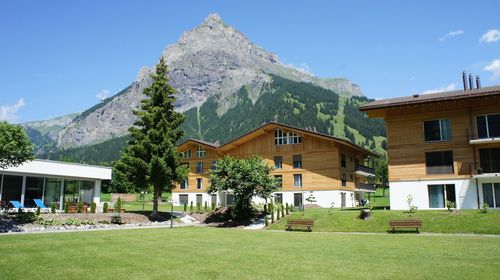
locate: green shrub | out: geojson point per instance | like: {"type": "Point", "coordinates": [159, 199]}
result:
{"type": "Point", "coordinates": [271, 208]}
{"type": "Point", "coordinates": [191, 207]}
{"type": "Point", "coordinates": [484, 208]}
{"type": "Point", "coordinates": [118, 204]}
{"type": "Point", "coordinates": [105, 207]}
{"type": "Point", "coordinates": [287, 209]}
{"type": "Point", "coordinates": [206, 206]}
{"type": "Point", "coordinates": [198, 206]}
{"type": "Point", "coordinates": [37, 212]}
{"type": "Point", "coordinates": [79, 207]}
{"type": "Point", "coordinates": [278, 215]}
{"type": "Point", "coordinates": [28, 217]}
{"type": "Point", "coordinates": [93, 206]}
{"type": "Point", "coordinates": [117, 219]}
{"type": "Point", "coordinates": [266, 219]}
{"type": "Point", "coordinates": [66, 207]}
{"type": "Point", "coordinates": [213, 206]}
{"type": "Point", "coordinates": [53, 207]}
{"type": "Point", "coordinates": [185, 207]}
{"type": "Point", "coordinates": [450, 205]}
{"type": "Point", "coordinates": [282, 211]}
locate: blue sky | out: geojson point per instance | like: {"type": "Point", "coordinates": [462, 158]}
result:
{"type": "Point", "coordinates": [56, 56]}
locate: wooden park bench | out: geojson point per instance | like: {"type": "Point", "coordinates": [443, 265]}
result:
{"type": "Point", "coordinates": [405, 224]}
{"type": "Point", "coordinates": [307, 223]}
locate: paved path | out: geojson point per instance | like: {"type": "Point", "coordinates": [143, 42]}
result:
{"type": "Point", "coordinates": [185, 218]}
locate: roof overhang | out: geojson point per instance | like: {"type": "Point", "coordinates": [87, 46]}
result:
{"type": "Point", "coordinates": [49, 168]}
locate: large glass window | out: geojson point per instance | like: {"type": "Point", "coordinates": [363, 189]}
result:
{"type": "Point", "coordinates": [437, 130]}
{"type": "Point", "coordinates": [184, 184]}
{"type": "Point", "coordinates": [229, 199]}
{"type": "Point", "coordinates": [186, 154]}
{"type": "Point", "coordinates": [491, 194]}
{"type": "Point", "coordinates": [438, 194]}
{"type": "Point", "coordinates": [199, 167]}
{"type": "Point", "coordinates": [12, 188]}
{"type": "Point", "coordinates": [200, 152]}
{"type": "Point", "coordinates": [52, 192]}
{"type": "Point", "coordinates": [297, 180]}
{"type": "Point", "coordinates": [278, 162]}
{"type": "Point", "coordinates": [33, 190]}
{"type": "Point", "coordinates": [282, 137]}
{"type": "Point", "coordinates": [199, 183]}
{"type": "Point", "coordinates": [278, 198]}
{"type": "Point", "coordinates": [488, 126]}
{"type": "Point", "coordinates": [76, 191]}
{"type": "Point", "coordinates": [86, 191]}
{"type": "Point", "coordinates": [439, 162]}
{"type": "Point", "coordinates": [183, 199]}
{"type": "Point", "coordinates": [297, 199]}
{"type": "Point", "coordinates": [490, 160]}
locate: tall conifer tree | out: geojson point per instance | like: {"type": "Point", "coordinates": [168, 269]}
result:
{"type": "Point", "coordinates": [151, 158]}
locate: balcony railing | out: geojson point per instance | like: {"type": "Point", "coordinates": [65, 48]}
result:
{"type": "Point", "coordinates": [365, 187]}
{"type": "Point", "coordinates": [364, 170]}
{"type": "Point", "coordinates": [492, 166]}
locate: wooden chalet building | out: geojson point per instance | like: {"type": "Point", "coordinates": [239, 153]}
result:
{"type": "Point", "coordinates": [306, 162]}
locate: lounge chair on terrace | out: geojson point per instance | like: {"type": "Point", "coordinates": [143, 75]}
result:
{"type": "Point", "coordinates": [15, 205]}
{"type": "Point", "coordinates": [39, 203]}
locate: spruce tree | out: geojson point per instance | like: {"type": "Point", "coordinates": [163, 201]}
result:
{"type": "Point", "coordinates": [151, 157]}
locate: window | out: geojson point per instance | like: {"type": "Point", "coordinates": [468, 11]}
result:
{"type": "Point", "coordinates": [297, 199]}
{"type": "Point", "coordinates": [186, 154]}
{"type": "Point", "coordinates": [488, 126]}
{"type": "Point", "coordinates": [491, 194]}
{"type": "Point", "coordinates": [343, 180]}
{"type": "Point", "coordinates": [12, 187]}
{"type": "Point", "coordinates": [184, 184]}
{"type": "Point", "coordinates": [214, 165]}
{"type": "Point", "coordinates": [279, 178]}
{"type": "Point", "coordinates": [342, 160]}
{"type": "Point", "coordinates": [34, 190]}
{"type": "Point", "coordinates": [297, 180]}
{"type": "Point", "coordinates": [199, 167]}
{"type": "Point", "coordinates": [278, 198]}
{"type": "Point", "coordinates": [52, 192]}
{"type": "Point", "coordinates": [439, 162]}
{"type": "Point", "coordinates": [183, 199]}
{"type": "Point", "coordinates": [200, 152]}
{"type": "Point", "coordinates": [297, 161]}
{"type": "Point", "coordinates": [278, 162]}
{"type": "Point", "coordinates": [490, 160]}
{"type": "Point", "coordinates": [199, 183]}
{"type": "Point", "coordinates": [282, 137]}
{"type": "Point", "coordinates": [437, 130]}
{"type": "Point", "coordinates": [229, 199]}
{"type": "Point", "coordinates": [439, 194]}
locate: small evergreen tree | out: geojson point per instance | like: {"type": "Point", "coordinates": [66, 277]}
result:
{"type": "Point", "coordinates": [53, 207]}
{"type": "Point", "coordinates": [266, 219]}
{"type": "Point", "coordinates": [105, 207]}
{"type": "Point", "coordinates": [37, 212]}
{"type": "Point", "coordinates": [185, 206]}
{"type": "Point", "coordinates": [198, 206]}
{"type": "Point", "coordinates": [265, 208]}
{"type": "Point", "coordinates": [66, 207]}
{"type": "Point", "coordinates": [93, 207]}
{"type": "Point", "coordinates": [213, 206]}
{"type": "Point", "coordinates": [287, 209]}
{"type": "Point", "coordinates": [282, 211]}
{"type": "Point", "coordinates": [206, 206]}
{"type": "Point", "coordinates": [191, 207]}
{"type": "Point", "coordinates": [118, 204]}
{"type": "Point", "coordinates": [271, 208]}
{"type": "Point", "coordinates": [79, 207]}
{"type": "Point", "coordinates": [278, 212]}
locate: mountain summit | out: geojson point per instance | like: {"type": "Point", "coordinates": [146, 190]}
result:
{"type": "Point", "coordinates": [211, 60]}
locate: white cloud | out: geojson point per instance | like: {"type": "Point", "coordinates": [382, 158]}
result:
{"type": "Point", "coordinates": [8, 112]}
{"type": "Point", "coordinates": [303, 68]}
{"type": "Point", "coordinates": [494, 68]}
{"type": "Point", "coordinates": [449, 87]}
{"type": "Point", "coordinates": [103, 94]}
{"type": "Point", "coordinates": [451, 34]}
{"type": "Point", "coordinates": [490, 36]}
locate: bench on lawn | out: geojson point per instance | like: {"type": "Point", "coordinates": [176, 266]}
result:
{"type": "Point", "coordinates": [405, 224]}
{"type": "Point", "coordinates": [307, 223]}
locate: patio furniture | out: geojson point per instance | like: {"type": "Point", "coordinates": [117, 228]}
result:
{"type": "Point", "coordinates": [16, 205]}
{"type": "Point", "coordinates": [405, 224]}
{"type": "Point", "coordinates": [39, 203]}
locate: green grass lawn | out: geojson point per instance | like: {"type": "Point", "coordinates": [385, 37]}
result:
{"type": "Point", "coordinates": [212, 253]}
{"type": "Point", "coordinates": [465, 221]}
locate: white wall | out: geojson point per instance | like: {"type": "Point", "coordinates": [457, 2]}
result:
{"type": "Point", "coordinates": [465, 191]}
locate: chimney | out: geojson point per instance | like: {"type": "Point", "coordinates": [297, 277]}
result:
{"type": "Point", "coordinates": [471, 82]}
{"type": "Point", "coordinates": [464, 79]}
{"type": "Point", "coordinates": [478, 82]}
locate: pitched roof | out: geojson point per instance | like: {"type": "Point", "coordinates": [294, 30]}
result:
{"type": "Point", "coordinates": [210, 144]}
{"type": "Point", "coordinates": [431, 97]}
{"type": "Point", "coordinates": [227, 145]}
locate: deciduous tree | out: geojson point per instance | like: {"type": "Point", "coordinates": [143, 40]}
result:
{"type": "Point", "coordinates": [15, 147]}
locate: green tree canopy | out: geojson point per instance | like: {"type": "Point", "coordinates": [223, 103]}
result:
{"type": "Point", "coordinates": [15, 147]}
{"type": "Point", "coordinates": [244, 178]}
{"type": "Point", "coordinates": [151, 157]}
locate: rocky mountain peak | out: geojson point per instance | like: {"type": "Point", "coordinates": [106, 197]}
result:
{"type": "Point", "coordinates": [213, 19]}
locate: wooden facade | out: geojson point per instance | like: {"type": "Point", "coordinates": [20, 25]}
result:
{"type": "Point", "coordinates": [321, 167]}
{"type": "Point", "coordinates": [405, 135]}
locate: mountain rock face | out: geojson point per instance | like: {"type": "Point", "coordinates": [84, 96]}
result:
{"type": "Point", "coordinates": [212, 60]}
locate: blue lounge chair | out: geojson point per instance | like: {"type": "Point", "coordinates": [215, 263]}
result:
{"type": "Point", "coordinates": [16, 205]}
{"type": "Point", "coordinates": [39, 203]}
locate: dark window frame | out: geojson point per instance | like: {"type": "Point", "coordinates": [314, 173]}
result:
{"type": "Point", "coordinates": [441, 138]}
{"type": "Point", "coordinates": [297, 161]}
{"type": "Point", "coordinates": [433, 160]}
